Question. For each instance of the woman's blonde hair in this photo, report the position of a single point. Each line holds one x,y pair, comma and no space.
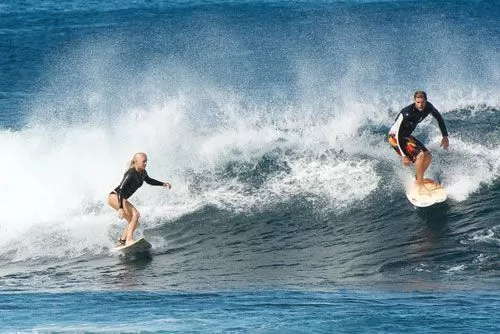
134,159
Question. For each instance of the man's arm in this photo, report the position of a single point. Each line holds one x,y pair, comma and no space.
437,115
442,126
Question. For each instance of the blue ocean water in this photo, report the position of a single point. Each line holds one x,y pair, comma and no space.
241,312
287,212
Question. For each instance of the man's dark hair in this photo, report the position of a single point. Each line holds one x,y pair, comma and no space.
420,93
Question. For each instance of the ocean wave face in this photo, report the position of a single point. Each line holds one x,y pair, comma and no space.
270,120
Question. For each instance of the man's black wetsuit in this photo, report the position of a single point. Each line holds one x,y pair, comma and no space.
132,180
407,121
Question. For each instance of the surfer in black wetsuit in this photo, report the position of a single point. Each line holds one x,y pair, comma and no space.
118,198
407,146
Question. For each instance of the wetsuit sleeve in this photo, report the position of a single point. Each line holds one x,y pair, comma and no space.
151,181
440,120
399,134
123,184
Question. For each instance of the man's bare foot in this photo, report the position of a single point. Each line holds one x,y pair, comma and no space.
431,184
423,190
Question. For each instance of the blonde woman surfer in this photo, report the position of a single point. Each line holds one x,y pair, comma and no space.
118,198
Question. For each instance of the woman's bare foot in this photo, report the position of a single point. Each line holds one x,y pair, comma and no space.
120,243
129,242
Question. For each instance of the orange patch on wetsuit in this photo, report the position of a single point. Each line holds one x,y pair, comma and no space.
394,143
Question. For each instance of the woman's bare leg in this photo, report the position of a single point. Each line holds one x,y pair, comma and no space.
130,214
133,223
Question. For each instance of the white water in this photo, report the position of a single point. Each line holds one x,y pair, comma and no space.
86,126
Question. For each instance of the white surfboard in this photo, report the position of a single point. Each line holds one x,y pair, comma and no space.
437,194
139,246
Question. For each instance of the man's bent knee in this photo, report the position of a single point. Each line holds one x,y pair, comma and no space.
424,155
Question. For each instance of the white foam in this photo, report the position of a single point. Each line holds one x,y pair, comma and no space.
456,269
489,236
471,166
88,123
59,175
340,182
59,178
